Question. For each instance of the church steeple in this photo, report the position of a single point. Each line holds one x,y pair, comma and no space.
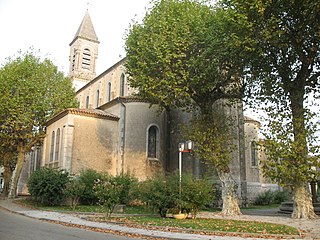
86,30
83,53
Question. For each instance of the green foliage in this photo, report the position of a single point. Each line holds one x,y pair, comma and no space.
32,90
180,56
74,191
195,193
281,43
287,162
125,183
177,55
163,194
158,193
108,191
271,197
281,196
211,136
47,185
265,198
88,177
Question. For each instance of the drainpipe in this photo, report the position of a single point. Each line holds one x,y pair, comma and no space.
122,133
243,167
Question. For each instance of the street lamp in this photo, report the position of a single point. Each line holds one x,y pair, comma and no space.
183,147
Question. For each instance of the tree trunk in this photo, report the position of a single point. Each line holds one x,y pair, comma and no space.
229,195
7,178
302,201
302,204
8,163
17,172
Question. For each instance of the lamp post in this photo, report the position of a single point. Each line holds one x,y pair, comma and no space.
183,147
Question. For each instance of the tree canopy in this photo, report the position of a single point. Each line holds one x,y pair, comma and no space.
180,57
281,40
31,91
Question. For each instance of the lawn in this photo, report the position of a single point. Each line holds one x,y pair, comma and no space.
204,224
193,225
83,208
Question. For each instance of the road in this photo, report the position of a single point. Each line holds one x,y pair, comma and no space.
18,227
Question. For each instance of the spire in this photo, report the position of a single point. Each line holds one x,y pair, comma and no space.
86,30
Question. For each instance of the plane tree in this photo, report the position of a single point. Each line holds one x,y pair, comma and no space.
31,91
180,57
281,42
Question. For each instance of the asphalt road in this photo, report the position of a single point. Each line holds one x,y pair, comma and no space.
17,227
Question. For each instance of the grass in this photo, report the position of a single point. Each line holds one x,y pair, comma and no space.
210,225
83,208
195,225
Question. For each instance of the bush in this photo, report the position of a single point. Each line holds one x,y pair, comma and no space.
47,185
265,198
88,177
108,192
158,194
281,196
74,191
195,193
272,197
125,183
163,194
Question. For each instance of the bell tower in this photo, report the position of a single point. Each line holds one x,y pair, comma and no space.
83,54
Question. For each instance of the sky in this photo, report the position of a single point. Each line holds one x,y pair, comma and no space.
50,25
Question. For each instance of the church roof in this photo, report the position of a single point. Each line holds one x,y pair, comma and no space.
86,30
95,113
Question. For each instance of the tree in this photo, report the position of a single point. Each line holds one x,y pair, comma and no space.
8,161
31,91
180,57
281,41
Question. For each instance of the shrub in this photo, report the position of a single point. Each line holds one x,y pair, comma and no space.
125,183
163,194
47,185
108,192
88,177
74,191
158,194
195,193
281,196
265,198
271,197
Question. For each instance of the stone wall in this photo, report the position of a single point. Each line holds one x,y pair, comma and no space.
94,145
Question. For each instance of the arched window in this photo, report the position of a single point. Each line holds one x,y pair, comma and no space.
152,142
56,154
87,102
254,155
97,98
86,59
109,92
122,85
52,147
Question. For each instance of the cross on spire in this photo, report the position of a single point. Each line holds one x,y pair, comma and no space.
88,4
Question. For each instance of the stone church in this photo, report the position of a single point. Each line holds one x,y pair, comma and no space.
113,131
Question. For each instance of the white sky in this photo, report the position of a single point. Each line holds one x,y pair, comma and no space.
50,25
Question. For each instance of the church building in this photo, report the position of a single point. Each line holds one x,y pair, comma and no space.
114,131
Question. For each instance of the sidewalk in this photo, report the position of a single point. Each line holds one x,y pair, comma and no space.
312,227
